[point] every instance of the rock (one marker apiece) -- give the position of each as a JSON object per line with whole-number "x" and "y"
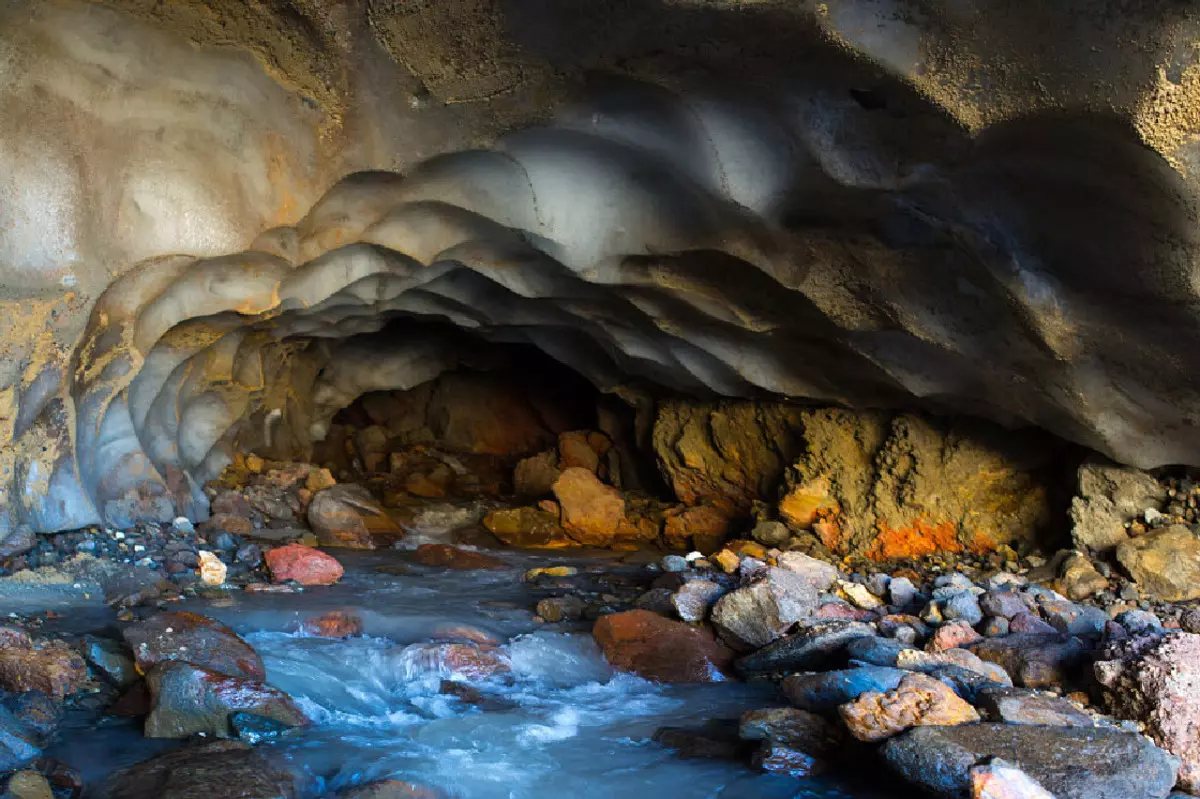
{"x": 1079, "y": 578}
{"x": 1029, "y": 623}
{"x": 824, "y": 692}
{"x": 528, "y": 528}
{"x": 702, "y": 527}
{"x": 674, "y": 563}
{"x": 1165, "y": 563}
{"x": 805, "y": 503}
{"x": 967, "y": 683}
{"x": 1190, "y": 621}
{"x": 534, "y": 476}
{"x": 254, "y": 729}
{"x": 952, "y": 636}
{"x": 212, "y": 570}
{"x": 189, "y": 700}
{"x": 532, "y": 575}
{"x": 18, "y": 540}
{"x": 28, "y": 785}
{"x": 448, "y": 557}
{"x": 1022, "y": 706}
{"x": 346, "y": 515}
{"x": 1070, "y": 762}
{"x": 1034, "y": 660}
{"x": 465, "y": 660}
{"x": 995, "y": 625}
{"x": 660, "y": 649}
{"x": 791, "y": 727}
{"x": 47, "y": 665}
{"x": 1156, "y": 680}
{"x": 392, "y": 789}
{"x": 694, "y": 599}
{"x": 728, "y": 561}
{"x": 18, "y": 743}
{"x": 916, "y": 660}
{"x": 110, "y": 659}
{"x": 561, "y": 608}
{"x": 755, "y": 615}
{"x": 196, "y": 639}
{"x": 1067, "y": 617}
{"x": 965, "y": 606}
{"x": 811, "y": 649}
{"x": 860, "y": 595}
{"x": 771, "y": 534}
{"x": 592, "y": 512}
{"x": 875, "y": 651}
{"x": 657, "y": 600}
{"x": 211, "y": 770}
{"x": 902, "y": 592}
{"x": 1108, "y": 498}
{"x": 1139, "y": 622}
{"x": 1004, "y": 604}
{"x": 714, "y": 741}
{"x": 334, "y": 624}
{"x": 917, "y": 701}
{"x": 777, "y": 758}
{"x": 1000, "y": 780}
{"x": 305, "y": 565}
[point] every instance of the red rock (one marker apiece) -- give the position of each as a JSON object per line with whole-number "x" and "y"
{"x": 840, "y": 610}
{"x": 189, "y": 700}
{"x": 592, "y": 512}
{"x": 191, "y": 637}
{"x": 952, "y": 636}
{"x": 50, "y": 666}
{"x": 466, "y": 660}
{"x": 335, "y": 624}
{"x": 660, "y": 649}
{"x": 454, "y": 558}
{"x": 305, "y": 565}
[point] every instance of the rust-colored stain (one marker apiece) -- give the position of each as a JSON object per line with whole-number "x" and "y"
{"x": 919, "y": 540}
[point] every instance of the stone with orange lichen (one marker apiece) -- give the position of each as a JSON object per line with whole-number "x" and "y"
{"x": 918, "y": 701}
{"x": 919, "y": 540}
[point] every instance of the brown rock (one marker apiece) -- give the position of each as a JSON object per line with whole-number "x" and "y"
{"x": 952, "y": 636}
{"x": 454, "y": 558}
{"x": 50, "y": 666}
{"x": 185, "y": 636}
{"x": 592, "y": 513}
{"x": 347, "y": 516}
{"x": 577, "y": 452}
{"x": 791, "y": 726}
{"x": 800, "y": 505}
{"x": 1034, "y": 660}
{"x": 1165, "y": 563}
{"x": 28, "y": 785}
{"x": 420, "y": 484}
{"x": 392, "y": 789}
{"x": 660, "y": 649}
{"x": 1079, "y": 578}
{"x": 335, "y": 624}
{"x": 229, "y": 523}
{"x": 305, "y": 565}
{"x": 918, "y": 701}
{"x": 703, "y": 528}
{"x": 473, "y": 661}
{"x": 534, "y": 476}
{"x": 215, "y": 770}
{"x": 528, "y": 528}
{"x": 465, "y": 633}
{"x": 319, "y": 480}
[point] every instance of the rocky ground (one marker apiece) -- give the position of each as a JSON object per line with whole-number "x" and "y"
{"x": 987, "y": 672}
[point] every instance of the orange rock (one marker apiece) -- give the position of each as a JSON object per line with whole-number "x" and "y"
{"x": 728, "y": 561}
{"x": 575, "y": 450}
{"x": 660, "y": 649}
{"x": 919, "y": 540}
{"x": 335, "y": 624}
{"x": 52, "y": 667}
{"x": 592, "y": 512}
{"x": 917, "y": 701}
{"x": 319, "y": 479}
{"x": 454, "y": 558}
{"x": 465, "y": 632}
{"x": 422, "y": 485}
{"x": 704, "y": 526}
{"x": 229, "y": 523}
{"x": 304, "y": 565}
{"x": 528, "y": 528}
{"x": 799, "y": 507}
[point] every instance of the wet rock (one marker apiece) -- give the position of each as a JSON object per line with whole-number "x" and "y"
{"x": 213, "y": 770}
{"x": 791, "y": 727}
{"x": 1165, "y": 563}
{"x": 813, "y": 648}
{"x": 392, "y": 789}
{"x": 28, "y": 785}
{"x": 592, "y": 512}
{"x": 335, "y": 624}
{"x": 347, "y": 516}
{"x": 449, "y": 557}
{"x": 824, "y": 692}
{"x": 1022, "y": 706}
{"x": 657, "y": 600}
{"x": 305, "y": 565}
{"x": 188, "y": 700}
{"x": 714, "y": 741}
{"x": 1034, "y": 660}
{"x": 774, "y": 757}
{"x": 469, "y": 661}
{"x": 196, "y": 639}
{"x": 528, "y": 528}
{"x": 47, "y": 665}
{"x": 998, "y": 779}
{"x": 110, "y": 659}
{"x": 660, "y": 649}
{"x": 1070, "y": 762}
{"x": 561, "y": 608}
{"x": 1156, "y": 680}
{"x": 755, "y": 615}
{"x": 39, "y": 713}
{"x": 254, "y": 729}
{"x": 464, "y": 633}
{"x": 1108, "y": 498}
{"x": 694, "y": 599}
{"x": 18, "y": 743}
{"x": 917, "y": 701}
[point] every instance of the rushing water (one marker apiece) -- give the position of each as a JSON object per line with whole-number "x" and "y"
{"x": 563, "y": 724}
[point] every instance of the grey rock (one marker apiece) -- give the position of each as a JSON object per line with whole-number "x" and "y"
{"x": 771, "y": 533}
{"x": 823, "y": 692}
{"x": 1108, "y": 497}
{"x": 1004, "y": 604}
{"x": 755, "y": 615}
{"x": 1034, "y": 660}
{"x": 19, "y": 540}
{"x": 1022, "y": 706}
{"x": 792, "y": 727}
{"x": 963, "y": 606}
{"x": 1067, "y": 617}
{"x": 1140, "y": 622}
{"x": 967, "y": 683}
{"x": 657, "y": 600}
{"x": 18, "y": 743}
{"x": 817, "y": 573}
{"x": 1070, "y": 762}
{"x": 188, "y": 700}
{"x": 694, "y": 599}
{"x": 875, "y": 650}
{"x": 1030, "y": 624}
{"x": 902, "y": 592}
{"x": 994, "y": 626}
{"x": 674, "y": 563}
{"x": 111, "y": 659}
{"x": 814, "y": 647}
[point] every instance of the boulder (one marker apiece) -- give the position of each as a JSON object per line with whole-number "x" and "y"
{"x": 346, "y": 515}
{"x": 1004, "y": 604}
{"x": 1165, "y": 563}
{"x": 1034, "y": 660}
{"x": 561, "y": 608}
{"x": 184, "y": 636}
{"x": 875, "y": 650}
{"x": 334, "y": 624}
{"x": 212, "y": 770}
{"x": 448, "y": 557}
{"x": 1108, "y": 497}
{"x": 528, "y": 528}
{"x": 1022, "y": 706}
{"x": 815, "y": 647}
{"x": 1069, "y": 762}
{"x": 534, "y": 477}
{"x": 19, "y": 744}
{"x": 660, "y": 649}
{"x": 792, "y": 727}
{"x": 592, "y": 512}
{"x": 771, "y": 534}
{"x": 952, "y": 636}
{"x": 305, "y": 565}
{"x": 454, "y": 659}
{"x": 695, "y": 598}
{"x": 703, "y": 528}
{"x": 998, "y": 779}
{"x": 917, "y": 701}
{"x": 109, "y": 658}
{"x": 757, "y": 614}
{"x": 47, "y": 665}
{"x": 1079, "y": 578}
{"x": 392, "y": 789}
{"x": 824, "y": 692}
{"x": 1156, "y": 680}
{"x": 818, "y": 573}
{"x": 188, "y": 700}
